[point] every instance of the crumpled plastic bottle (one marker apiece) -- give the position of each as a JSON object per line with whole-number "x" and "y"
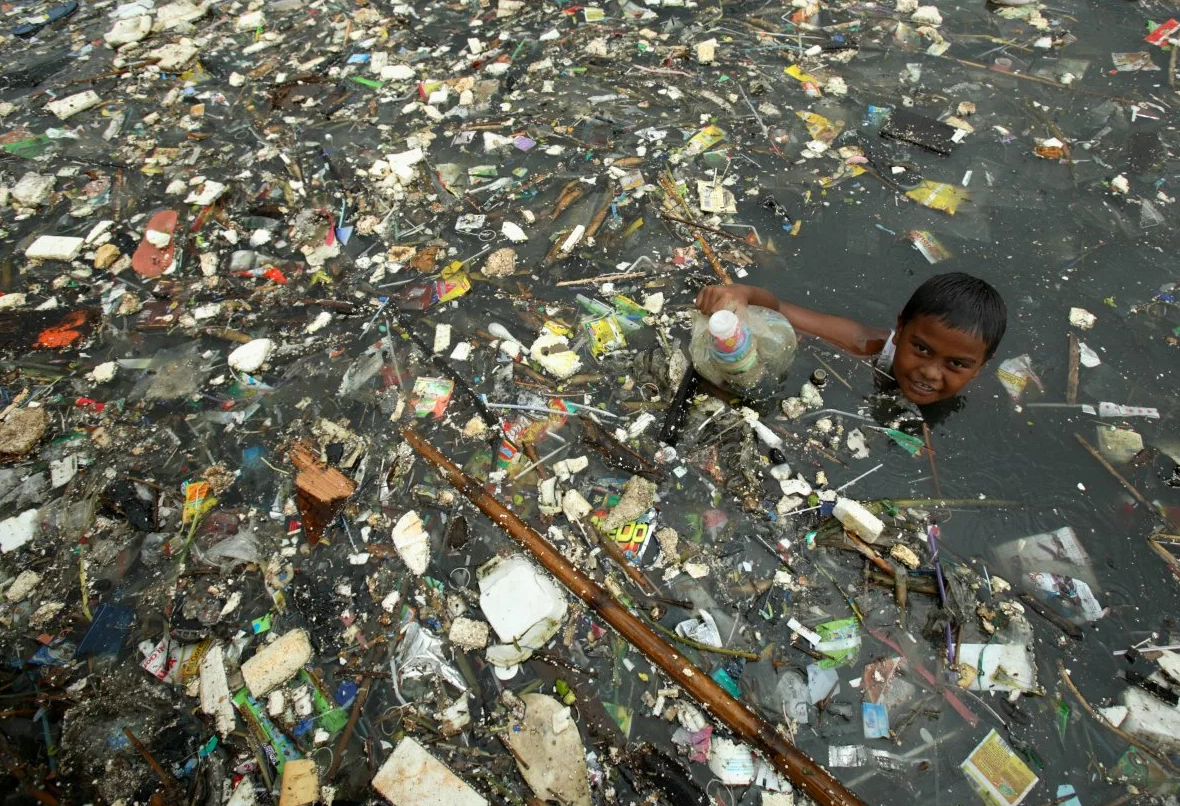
{"x": 747, "y": 352}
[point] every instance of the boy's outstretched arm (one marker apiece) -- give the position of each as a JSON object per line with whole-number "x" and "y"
{"x": 850, "y": 336}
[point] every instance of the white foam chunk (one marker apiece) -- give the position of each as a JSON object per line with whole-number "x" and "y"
{"x": 858, "y": 520}
{"x": 276, "y": 663}
{"x": 73, "y": 104}
{"x": 54, "y": 247}
{"x": 413, "y": 777}
{"x": 215, "y": 701}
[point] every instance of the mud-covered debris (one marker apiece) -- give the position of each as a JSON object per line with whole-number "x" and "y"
{"x": 21, "y": 430}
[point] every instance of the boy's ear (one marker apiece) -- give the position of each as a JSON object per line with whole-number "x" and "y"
{"x": 897, "y": 328}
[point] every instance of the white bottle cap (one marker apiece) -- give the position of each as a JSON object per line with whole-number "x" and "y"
{"x": 723, "y": 324}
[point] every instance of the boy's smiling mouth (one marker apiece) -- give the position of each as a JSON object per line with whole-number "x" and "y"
{"x": 919, "y": 390}
{"x": 923, "y": 388}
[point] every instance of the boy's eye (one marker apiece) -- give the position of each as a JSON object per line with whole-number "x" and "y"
{"x": 956, "y": 363}
{"x": 919, "y": 347}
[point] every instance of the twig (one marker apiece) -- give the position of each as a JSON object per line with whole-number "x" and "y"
{"x": 1039, "y": 80}
{"x": 932, "y": 535}
{"x": 1131, "y": 488}
{"x": 603, "y": 278}
{"x": 714, "y": 230}
{"x": 719, "y": 650}
{"x": 1071, "y": 385}
{"x": 835, "y": 374}
{"x": 630, "y": 569}
{"x": 869, "y": 552}
{"x": 16, "y": 401}
{"x": 1101, "y": 720}
{"x": 338, "y": 754}
{"x": 171, "y": 785}
{"x": 669, "y": 187}
{"x": 963, "y": 503}
{"x": 930, "y": 455}
{"x": 1063, "y": 624}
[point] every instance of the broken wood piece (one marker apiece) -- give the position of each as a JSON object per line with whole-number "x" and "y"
{"x": 320, "y": 492}
{"x": 172, "y": 787}
{"x": 1063, "y": 624}
{"x": 814, "y": 781}
{"x": 869, "y": 553}
{"x": 1075, "y": 355}
{"x": 615, "y": 453}
{"x": 1128, "y": 486}
{"x": 318, "y": 480}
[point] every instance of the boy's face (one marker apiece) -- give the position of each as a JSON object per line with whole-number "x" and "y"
{"x": 934, "y": 361}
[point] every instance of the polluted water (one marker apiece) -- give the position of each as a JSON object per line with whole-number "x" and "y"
{"x": 352, "y": 448}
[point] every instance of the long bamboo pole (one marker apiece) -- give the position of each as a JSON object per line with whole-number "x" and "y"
{"x": 816, "y": 782}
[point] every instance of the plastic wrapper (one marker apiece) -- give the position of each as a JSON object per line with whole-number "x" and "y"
{"x": 421, "y": 654}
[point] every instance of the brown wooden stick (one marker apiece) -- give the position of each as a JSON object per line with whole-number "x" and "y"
{"x": 711, "y": 256}
{"x": 1167, "y": 556}
{"x": 1075, "y": 355}
{"x": 1122, "y": 734}
{"x": 171, "y": 785}
{"x": 633, "y": 573}
{"x": 913, "y": 584}
{"x": 804, "y": 773}
{"x": 930, "y": 455}
{"x": 338, "y": 754}
{"x": 718, "y": 269}
{"x": 1061, "y": 623}
{"x": 714, "y": 230}
{"x": 700, "y": 647}
{"x": 16, "y": 769}
{"x": 869, "y": 552}
{"x": 1039, "y": 80}
{"x": 1131, "y": 488}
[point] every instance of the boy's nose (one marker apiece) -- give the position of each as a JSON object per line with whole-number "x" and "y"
{"x": 931, "y": 372}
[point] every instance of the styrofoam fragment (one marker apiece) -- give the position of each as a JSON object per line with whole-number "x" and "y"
{"x": 73, "y": 104}
{"x": 128, "y": 30}
{"x": 33, "y": 189}
{"x": 215, "y": 697}
{"x": 469, "y": 633}
{"x": 513, "y": 232}
{"x": 276, "y": 663}
{"x": 54, "y": 247}
{"x": 858, "y": 520}
{"x": 251, "y": 355}
{"x": 413, "y": 777}
{"x": 412, "y": 542}
{"x": 574, "y": 505}
{"x": 442, "y": 338}
{"x": 22, "y": 586}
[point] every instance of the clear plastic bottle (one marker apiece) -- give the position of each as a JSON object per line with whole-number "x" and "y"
{"x": 746, "y": 352}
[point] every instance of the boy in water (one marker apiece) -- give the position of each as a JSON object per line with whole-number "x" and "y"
{"x": 944, "y": 335}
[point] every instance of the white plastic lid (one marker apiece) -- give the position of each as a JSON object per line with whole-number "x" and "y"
{"x": 723, "y": 324}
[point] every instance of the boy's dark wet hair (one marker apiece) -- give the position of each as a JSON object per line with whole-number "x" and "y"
{"x": 963, "y": 303}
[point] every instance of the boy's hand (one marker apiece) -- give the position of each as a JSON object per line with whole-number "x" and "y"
{"x": 721, "y": 297}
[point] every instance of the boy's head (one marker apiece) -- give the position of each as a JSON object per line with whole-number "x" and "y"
{"x": 945, "y": 334}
